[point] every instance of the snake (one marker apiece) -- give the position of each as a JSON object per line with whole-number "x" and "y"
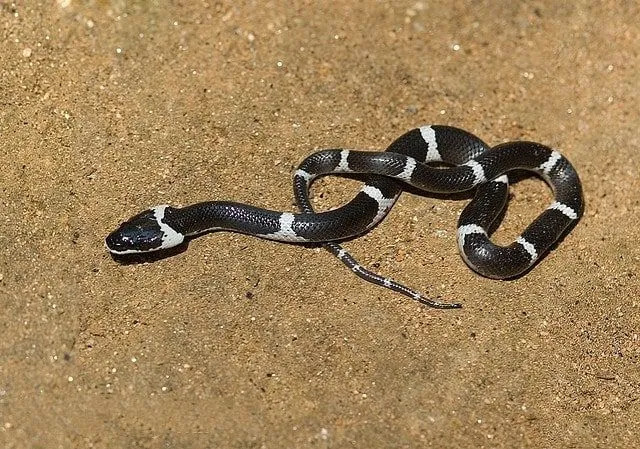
{"x": 432, "y": 158}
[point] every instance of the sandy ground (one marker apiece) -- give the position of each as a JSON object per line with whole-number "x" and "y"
{"x": 108, "y": 107}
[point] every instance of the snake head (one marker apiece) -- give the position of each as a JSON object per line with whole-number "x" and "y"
{"x": 144, "y": 233}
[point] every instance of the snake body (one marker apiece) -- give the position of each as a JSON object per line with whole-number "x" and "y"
{"x": 473, "y": 165}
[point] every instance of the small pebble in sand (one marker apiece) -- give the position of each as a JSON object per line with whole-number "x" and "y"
{"x": 26, "y": 52}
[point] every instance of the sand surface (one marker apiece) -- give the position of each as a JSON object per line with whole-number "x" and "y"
{"x": 107, "y": 107}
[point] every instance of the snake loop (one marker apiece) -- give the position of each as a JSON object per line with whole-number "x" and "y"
{"x": 406, "y": 161}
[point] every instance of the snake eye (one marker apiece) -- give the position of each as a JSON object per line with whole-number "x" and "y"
{"x": 141, "y": 233}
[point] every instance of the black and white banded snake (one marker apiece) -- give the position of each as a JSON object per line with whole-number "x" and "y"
{"x": 473, "y": 164}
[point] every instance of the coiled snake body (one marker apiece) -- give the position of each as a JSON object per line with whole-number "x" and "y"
{"x": 474, "y": 164}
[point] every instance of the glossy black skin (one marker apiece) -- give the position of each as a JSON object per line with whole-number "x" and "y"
{"x": 142, "y": 233}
